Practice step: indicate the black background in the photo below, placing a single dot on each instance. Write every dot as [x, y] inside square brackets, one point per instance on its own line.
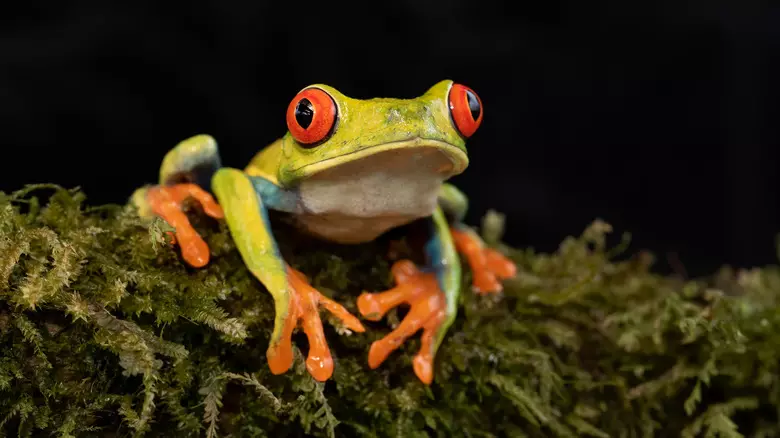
[660, 117]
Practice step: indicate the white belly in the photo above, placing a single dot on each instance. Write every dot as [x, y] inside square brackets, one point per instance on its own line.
[358, 201]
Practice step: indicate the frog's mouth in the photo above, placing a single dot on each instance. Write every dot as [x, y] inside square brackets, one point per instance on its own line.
[438, 156]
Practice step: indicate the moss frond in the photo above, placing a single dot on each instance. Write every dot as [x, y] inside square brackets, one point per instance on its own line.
[105, 332]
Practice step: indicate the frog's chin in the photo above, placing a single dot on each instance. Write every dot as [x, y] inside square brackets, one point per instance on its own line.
[375, 190]
[451, 160]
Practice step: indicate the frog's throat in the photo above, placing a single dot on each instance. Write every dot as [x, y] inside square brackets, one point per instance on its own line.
[457, 156]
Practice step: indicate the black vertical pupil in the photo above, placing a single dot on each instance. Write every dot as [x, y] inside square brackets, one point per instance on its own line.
[473, 105]
[304, 113]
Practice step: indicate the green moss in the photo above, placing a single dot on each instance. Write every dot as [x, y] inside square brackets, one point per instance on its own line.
[105, 332]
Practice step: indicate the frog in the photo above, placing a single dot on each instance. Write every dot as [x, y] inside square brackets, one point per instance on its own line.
[347, 171]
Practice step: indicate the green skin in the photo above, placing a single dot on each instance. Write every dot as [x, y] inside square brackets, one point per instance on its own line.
[350, 188]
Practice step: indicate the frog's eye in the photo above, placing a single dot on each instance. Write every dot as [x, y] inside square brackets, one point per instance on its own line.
[311, 116]
[465, 108]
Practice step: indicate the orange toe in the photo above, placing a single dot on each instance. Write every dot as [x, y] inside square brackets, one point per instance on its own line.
[377, 353]
[423, 368]
[167, 203]
[304, 310]
[427, 310]
[499, 264]
[280, 354]
[423, 362]
[204, 198]
[488, 266]
[194, 249]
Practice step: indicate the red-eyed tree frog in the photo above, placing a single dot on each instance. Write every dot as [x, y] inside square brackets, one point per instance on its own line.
[347, 170]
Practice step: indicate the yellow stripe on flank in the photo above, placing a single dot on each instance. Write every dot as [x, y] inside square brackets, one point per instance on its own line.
[248, 223]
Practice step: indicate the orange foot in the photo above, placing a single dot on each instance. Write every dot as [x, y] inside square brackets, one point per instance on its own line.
[166, 202]
[428, 310]
[304, 307]
[488, 266]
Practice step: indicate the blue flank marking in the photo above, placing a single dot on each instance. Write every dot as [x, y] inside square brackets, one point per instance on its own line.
[436, 259]
[275, 197]
[444, 260]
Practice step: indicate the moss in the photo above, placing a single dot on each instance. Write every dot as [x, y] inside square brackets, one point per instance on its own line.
[105, 332]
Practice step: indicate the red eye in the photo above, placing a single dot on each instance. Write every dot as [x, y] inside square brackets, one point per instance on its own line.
[311, 116]
[466, 109]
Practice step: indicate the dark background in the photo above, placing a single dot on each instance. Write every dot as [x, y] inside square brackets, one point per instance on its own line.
[660, 117]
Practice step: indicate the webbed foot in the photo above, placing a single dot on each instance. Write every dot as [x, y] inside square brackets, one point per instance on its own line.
[488, 266]
[166, 202]
[304, 304]
[428, 311]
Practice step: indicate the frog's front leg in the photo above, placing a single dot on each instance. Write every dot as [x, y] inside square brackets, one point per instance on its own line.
[295, 300]
[432, 295]
[488, 266]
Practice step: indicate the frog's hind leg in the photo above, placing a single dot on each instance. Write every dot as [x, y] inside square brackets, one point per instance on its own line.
[192, 161]
[185, 172]
[488, 266]
[432, 295]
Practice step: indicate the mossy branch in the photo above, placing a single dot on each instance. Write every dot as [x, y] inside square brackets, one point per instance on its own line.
[105, 332]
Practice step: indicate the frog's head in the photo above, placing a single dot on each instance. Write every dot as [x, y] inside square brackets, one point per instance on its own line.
[328, 130]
